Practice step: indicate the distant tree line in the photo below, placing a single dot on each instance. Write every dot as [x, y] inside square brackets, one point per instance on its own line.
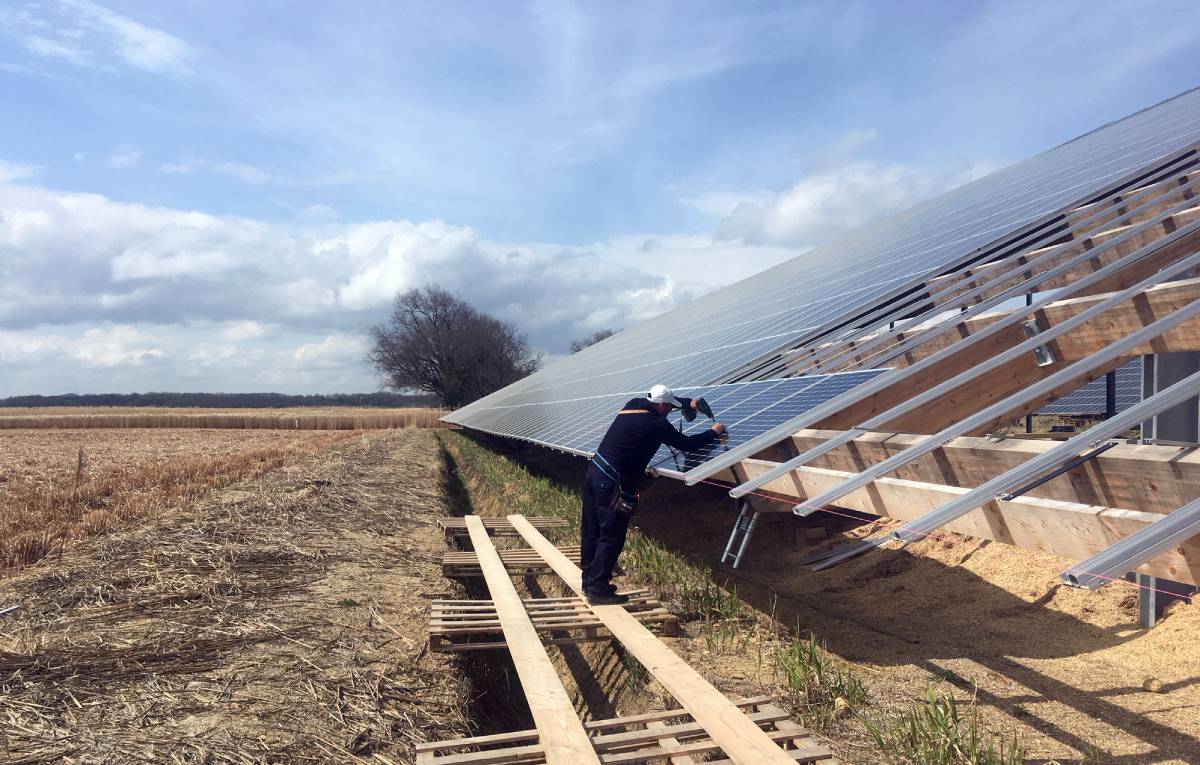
[224, 400]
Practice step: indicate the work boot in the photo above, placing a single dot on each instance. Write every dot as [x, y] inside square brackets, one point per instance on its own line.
[607, 599]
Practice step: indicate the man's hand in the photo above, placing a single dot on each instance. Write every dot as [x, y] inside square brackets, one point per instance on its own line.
[723, 433]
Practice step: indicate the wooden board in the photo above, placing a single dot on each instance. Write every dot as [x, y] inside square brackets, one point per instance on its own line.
[1071, 530]
[560, 731]
[672, 736]
[742, 741]
[1148, 477]
[473, 625]
[455, 526]
[517, 561]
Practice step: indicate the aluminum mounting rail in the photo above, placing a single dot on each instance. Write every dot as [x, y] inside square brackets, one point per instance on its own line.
[895, 376]
[839, 347]
[923, 526]
[1114, 562]
[982, 417]
[1109, 191]
[967, 375]
[1034, 280]
[888, 379]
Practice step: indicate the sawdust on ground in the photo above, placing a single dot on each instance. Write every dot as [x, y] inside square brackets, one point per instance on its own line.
[1061, 668]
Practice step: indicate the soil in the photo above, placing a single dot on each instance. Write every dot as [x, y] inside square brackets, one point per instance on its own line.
[280, 620]
[1061, 668]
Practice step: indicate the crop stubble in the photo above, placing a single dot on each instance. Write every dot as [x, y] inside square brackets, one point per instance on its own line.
[278, 620]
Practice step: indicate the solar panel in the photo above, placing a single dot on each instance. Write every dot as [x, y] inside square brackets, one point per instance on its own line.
[1092, 398]
[751, 409]
[701, 343]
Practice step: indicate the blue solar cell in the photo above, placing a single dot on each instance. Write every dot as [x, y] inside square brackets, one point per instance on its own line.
[750, 409]
[1093, 397]
[568, 404]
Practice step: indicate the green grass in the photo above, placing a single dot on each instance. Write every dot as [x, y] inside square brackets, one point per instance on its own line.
[820, 687]
[935, 732]
[687, 586]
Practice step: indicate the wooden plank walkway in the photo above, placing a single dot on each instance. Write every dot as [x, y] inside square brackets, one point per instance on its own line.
[473, 625]
[742, 741]
[456, 526]
[521, 560]
[672, 736]
[709, 728]
[560, 732]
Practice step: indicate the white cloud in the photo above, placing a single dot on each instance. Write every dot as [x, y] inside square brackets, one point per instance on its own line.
[15, 171]
[334, 351]
[140, 46]
[124, 156]
[721, 204]
[110, 347]
[243, 172]
[118, 346]
[242, 331]
[196, 285]
[835, 196]
[48, 48]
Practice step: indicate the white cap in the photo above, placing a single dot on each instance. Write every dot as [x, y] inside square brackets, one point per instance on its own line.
[661, 394]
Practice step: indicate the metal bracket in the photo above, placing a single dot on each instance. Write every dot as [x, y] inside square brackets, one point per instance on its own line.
[1042, 355]
[1096, 450]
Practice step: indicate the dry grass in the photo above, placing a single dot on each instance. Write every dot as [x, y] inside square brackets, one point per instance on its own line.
[279, 620]
[44, 510]
[321, 418]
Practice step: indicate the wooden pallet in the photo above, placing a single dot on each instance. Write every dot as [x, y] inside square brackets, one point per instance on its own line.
[517, 561]
[672, 736]
[456, 527]
[472, 625]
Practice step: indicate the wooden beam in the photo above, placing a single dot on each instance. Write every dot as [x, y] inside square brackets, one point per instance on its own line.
[1149, 265]
[1093, 335]
[1147, 477]
[1022, 372]
[742, 741]
[560, 731]
[1074, 531]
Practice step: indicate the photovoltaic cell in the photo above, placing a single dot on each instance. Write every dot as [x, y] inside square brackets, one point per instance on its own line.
[750, 409]
[1092, 398]
[568, 403]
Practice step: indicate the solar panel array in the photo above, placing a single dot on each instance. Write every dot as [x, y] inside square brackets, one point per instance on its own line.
[568, 403]
[751, 409]
[1093, 397]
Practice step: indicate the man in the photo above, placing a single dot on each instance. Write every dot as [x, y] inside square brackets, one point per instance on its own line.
[609, 493]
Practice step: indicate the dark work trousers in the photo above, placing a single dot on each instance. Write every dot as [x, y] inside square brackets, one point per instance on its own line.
[603, 531]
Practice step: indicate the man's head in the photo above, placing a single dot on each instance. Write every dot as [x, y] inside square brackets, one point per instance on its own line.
[662, 397]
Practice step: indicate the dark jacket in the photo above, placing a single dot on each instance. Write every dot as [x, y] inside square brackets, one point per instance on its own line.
[637, 433]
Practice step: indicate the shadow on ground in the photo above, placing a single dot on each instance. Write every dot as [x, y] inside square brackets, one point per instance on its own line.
[1027, 639]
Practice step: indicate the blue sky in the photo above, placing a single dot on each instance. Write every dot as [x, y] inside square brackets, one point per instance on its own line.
[224, 195]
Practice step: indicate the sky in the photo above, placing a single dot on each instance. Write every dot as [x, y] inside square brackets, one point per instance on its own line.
[225, 195]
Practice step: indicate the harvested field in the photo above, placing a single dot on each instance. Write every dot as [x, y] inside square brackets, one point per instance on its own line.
[58, 486]
[278, 620]
[321, 418]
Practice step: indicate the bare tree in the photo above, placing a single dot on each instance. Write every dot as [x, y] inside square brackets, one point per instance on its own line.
[592, 339]
[437, 343]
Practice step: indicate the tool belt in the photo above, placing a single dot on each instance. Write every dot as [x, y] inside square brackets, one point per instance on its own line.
[622, 501]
